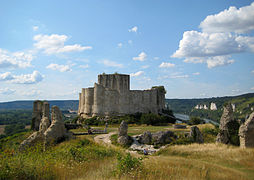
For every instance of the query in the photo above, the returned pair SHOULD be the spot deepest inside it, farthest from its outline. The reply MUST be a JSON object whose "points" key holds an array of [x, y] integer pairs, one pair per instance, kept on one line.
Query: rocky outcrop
{"points": [[246, 132], [123, 138], [56, 131], [162, 137], [196, 135], [35, 138], [228, 133], [123, 129], [48, 132], [145, 138], [158, 138]]}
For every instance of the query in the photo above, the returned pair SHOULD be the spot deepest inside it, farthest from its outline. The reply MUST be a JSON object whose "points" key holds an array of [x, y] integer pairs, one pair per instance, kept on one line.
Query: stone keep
{"points": [[112, 96]]}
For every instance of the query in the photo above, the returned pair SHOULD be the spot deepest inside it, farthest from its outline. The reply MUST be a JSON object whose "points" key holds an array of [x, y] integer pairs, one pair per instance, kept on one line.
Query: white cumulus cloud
{"points": [[109, 63], [141, 57], [252, 88], [15, 60], [219, 61], [59, 67], [33, 78], [166, 65], [139, 73], [198, 44], [54, 44], [230, 20], [6, 91], [6, 76], [133, 29], [219, 39], [252, 71]]}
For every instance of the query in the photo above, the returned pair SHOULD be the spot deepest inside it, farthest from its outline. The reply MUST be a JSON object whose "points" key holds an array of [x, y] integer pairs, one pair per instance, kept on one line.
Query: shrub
{"points": [[127, 164], [195, 121], [14, 128], [182, 140], [92, 121], [233, 133]]}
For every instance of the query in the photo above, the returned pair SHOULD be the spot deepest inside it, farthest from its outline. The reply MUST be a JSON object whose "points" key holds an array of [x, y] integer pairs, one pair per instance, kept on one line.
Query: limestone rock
{"points": [[196, 135], [45, 123], [33, 139], [162, 137], [56, 131], [48, 132], [145, 138], [123, 140], [123, 137], [37, 115], [228, 133], [246, 132], [123, 129]]}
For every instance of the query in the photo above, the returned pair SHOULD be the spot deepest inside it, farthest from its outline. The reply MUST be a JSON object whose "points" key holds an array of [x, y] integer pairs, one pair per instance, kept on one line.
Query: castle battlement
{"points": [[112, 96]]}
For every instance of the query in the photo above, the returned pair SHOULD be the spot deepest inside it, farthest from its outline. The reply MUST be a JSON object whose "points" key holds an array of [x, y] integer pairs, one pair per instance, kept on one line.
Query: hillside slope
{"points": [[243, 103]]}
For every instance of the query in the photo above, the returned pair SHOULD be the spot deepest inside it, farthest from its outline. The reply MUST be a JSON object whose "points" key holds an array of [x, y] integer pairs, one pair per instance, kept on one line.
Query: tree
{"points": [[196, 120]]}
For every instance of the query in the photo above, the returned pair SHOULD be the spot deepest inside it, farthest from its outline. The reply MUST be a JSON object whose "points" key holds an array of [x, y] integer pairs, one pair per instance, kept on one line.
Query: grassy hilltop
{"points": [[82, 158]]}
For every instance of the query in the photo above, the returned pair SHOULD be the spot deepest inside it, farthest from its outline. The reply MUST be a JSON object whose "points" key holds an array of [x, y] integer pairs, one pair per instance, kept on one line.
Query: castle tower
{"points": [[119, 82]]}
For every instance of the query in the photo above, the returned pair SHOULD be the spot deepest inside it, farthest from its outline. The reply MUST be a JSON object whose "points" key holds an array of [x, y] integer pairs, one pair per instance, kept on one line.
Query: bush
{"points": [[233, 133], [182, 140], [14, 128], [210, 134], [127, 164], [196, 121]]}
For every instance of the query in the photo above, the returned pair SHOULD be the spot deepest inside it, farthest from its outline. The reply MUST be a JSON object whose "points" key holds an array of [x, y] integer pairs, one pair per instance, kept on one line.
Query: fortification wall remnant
{"points": [[112, 96]]}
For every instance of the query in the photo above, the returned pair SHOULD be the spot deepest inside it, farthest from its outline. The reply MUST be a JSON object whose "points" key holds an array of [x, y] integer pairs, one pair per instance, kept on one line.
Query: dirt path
{"points": [[104, 138]]}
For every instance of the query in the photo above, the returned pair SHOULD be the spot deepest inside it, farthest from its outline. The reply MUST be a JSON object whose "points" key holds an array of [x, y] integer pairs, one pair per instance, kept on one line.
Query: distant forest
{"points": [[28, 105], [21, 111]]}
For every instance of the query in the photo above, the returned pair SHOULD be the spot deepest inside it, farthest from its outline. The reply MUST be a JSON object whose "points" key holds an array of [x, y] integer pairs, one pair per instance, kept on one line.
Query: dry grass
{"points": [[2, 129], [194, 161], [207, 161]]}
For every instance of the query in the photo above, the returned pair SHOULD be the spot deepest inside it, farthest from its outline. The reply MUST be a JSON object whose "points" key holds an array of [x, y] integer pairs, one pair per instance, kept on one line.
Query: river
{"points": [[187, 118]]}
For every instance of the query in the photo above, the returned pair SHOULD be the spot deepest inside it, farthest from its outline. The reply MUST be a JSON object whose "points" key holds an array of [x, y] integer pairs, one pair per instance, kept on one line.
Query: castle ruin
{"points": [[112, 96]]}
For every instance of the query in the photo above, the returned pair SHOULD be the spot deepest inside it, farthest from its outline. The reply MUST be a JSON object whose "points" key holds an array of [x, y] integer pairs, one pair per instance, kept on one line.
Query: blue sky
{"points": [[196, 49]]}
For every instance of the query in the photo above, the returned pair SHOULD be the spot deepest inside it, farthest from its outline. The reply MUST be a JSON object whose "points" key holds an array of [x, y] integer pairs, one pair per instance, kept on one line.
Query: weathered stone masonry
{"points": [[112, 96]]}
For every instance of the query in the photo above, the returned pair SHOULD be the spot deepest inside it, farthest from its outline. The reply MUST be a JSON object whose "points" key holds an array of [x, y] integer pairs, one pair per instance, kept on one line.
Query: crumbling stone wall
{"points": [[228, 133], [48, 132], [246, 132]]}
